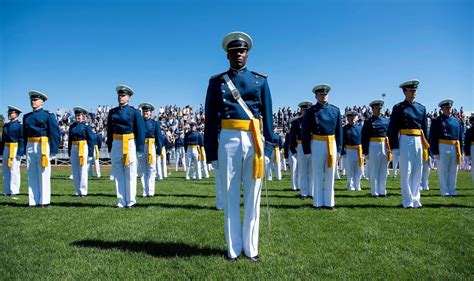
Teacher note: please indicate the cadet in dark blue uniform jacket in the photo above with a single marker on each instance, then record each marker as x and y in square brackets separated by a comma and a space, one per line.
[80, 150]
[125, 139]
[469, 145]
[406, 133]
[352, 149]
[304, 180]
[322, 138]
[376, 149]
[239, 147]
[147, 161]
[446, 144]
[180, 153]
[41, 134]
[95, 158]
[192, 146]
[12, 148]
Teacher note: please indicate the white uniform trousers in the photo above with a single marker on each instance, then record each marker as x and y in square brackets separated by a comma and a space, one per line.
[39, 178]
[294, 170]
[447, 169]
[147, 172]
[411, 160]
[323, 176]
[79, 173]
[204, 168]
[125, 176]
[164, 167]
[304, 172]
[395, 164]
[276, 166]
[219, 190]
[159, 172]
[94, 162]
[268, 169]
[11, 176]
[425, 174]
[180, 155]
[193, 161]
[337, 175]
[235, 154]
[353, 169]
[378, 168]
[283, 161]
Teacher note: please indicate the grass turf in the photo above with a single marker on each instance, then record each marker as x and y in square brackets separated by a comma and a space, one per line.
[178, 234]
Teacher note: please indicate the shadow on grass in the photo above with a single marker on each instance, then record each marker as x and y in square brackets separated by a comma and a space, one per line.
[370, 206]
[154, 249]
[184, 195]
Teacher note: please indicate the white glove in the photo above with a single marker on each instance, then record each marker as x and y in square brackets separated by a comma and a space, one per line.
[396, 152]
[52, 156]
[366, 157]
[139, 154]
[267, 160]
[89, 159]
[338, 155]
[215, 164]
[436, 157]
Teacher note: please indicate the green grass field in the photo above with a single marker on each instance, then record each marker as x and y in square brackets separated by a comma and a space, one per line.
[178, 234]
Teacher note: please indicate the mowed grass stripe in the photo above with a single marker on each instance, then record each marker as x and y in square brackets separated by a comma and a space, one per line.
[178, 234]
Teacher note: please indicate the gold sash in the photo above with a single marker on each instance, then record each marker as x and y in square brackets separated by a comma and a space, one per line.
[254, 127]
[151, 146]
[96, 150]
[80, 144]
[331, 153]
[359, 151]
[125, 138]
[387, 145]
[11, 153]
[44, 141]
[276, 150]
[418, 132]
[458, 148]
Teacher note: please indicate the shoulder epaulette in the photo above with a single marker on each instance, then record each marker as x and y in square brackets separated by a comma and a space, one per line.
[259, 74]
[218, 75]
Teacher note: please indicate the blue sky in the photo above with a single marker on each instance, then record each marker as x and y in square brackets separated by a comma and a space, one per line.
[78, 51]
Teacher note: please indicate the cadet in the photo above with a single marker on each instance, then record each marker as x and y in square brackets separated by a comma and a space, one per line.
[291, 162]
[180, 153]
[202, 154]
[147, 161]
[41, 134]
[376, 149]
[446, 146]
[469, 145]
[80, 150]
[406, 133]
[12, 148]
[352, 148]
[125, 139]
[97, 146]
[303, 162]
[242, 97]
[161, 166]
[322, 140]
[192, 145]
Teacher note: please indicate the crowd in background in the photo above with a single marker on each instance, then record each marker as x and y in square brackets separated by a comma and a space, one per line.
[174, 119]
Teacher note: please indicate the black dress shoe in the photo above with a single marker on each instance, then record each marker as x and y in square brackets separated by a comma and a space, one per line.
[254, 259]
[303, 197]
[231, 259]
